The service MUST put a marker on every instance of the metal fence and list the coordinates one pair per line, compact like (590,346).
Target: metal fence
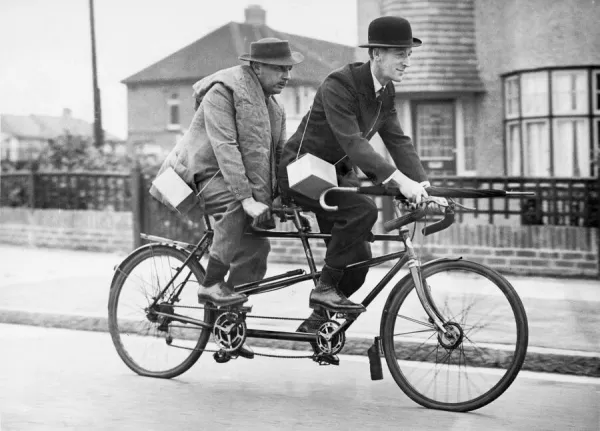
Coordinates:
(67,190)
(557,201)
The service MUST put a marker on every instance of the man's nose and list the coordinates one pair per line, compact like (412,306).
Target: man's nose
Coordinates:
(287,75)
(406,61)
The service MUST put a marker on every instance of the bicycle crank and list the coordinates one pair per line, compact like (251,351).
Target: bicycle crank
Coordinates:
(229,331)
(328,343)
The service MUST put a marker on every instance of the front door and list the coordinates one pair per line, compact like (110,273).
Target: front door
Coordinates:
(435,136)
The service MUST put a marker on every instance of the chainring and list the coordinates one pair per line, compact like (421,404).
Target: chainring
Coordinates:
(328,344)
(229,331)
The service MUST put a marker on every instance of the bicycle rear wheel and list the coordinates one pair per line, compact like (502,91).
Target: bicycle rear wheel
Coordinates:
(486,315)
(148,343)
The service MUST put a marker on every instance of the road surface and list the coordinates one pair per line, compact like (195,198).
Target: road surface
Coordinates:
(54,379)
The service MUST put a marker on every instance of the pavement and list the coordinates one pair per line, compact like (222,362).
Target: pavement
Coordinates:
(69,289)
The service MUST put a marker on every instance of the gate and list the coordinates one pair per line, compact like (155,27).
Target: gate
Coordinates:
(153,218)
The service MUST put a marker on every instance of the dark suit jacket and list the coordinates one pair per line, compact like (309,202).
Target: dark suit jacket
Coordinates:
(345,115)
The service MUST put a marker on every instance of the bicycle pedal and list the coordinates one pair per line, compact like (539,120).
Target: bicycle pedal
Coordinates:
(325,359)
(221,357)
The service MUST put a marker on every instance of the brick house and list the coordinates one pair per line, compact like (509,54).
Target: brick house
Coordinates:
(159,98)
(500,87)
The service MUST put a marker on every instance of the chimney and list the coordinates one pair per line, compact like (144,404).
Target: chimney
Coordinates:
(255,15)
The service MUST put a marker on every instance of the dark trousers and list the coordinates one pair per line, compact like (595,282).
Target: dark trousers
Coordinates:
(350,227)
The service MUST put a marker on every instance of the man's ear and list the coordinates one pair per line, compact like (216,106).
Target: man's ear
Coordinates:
(255,66)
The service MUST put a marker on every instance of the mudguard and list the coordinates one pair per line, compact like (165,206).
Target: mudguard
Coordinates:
(139,250)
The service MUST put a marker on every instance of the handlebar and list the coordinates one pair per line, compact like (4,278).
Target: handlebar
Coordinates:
(420,212)
(443,192)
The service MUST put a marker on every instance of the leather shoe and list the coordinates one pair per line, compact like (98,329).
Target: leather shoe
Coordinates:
(330,298)
(312,324)
(220,294)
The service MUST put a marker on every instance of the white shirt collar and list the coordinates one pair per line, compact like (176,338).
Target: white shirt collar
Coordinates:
(376,83)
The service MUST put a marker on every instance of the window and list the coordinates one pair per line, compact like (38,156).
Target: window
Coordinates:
(571,147)
(536,149)
(596,96)
(547,122)
(174,122)
(513,156)
(512,97)
(534,101)
(569,92)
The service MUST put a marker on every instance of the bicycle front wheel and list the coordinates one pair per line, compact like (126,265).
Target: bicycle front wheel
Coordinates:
(482,355)
(148,343)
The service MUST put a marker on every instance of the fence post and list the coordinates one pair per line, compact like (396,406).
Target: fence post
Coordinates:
(137,203)
(598,212)
(32,188)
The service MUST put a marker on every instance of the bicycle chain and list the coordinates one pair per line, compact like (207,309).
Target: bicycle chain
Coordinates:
(254,317)
(247,316)
(255,354)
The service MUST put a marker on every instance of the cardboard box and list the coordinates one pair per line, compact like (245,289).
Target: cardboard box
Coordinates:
(175,190)
(311,176)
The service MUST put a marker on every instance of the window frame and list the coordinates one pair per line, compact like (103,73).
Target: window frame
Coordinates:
(586,96)
(589,110)
(516,81)
(585,128)
(595,102)
(525,165)
(173,102)
(525,100)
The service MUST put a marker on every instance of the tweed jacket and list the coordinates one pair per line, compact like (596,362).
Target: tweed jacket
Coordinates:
(344,116)
(231,135)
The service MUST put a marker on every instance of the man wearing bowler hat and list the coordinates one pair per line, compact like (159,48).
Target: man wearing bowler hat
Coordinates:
(229,156)
(350,106)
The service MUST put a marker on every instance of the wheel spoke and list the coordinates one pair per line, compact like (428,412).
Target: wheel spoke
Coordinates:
(479,306)
(135,330)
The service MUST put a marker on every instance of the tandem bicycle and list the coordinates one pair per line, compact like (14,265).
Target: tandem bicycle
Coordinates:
(453,332)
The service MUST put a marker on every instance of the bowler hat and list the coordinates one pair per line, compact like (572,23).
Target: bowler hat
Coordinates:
(271,50)
(391,32)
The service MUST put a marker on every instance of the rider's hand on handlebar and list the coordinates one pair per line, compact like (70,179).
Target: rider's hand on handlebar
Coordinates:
(257,210)
(412,190)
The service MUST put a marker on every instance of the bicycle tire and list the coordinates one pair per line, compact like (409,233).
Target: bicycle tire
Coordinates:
(439,278)
(125,332)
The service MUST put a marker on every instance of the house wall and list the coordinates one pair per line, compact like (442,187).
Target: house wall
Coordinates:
(148,111)
(509,35)
(514,35)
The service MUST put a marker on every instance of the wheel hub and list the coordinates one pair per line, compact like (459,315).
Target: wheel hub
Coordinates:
(453,336)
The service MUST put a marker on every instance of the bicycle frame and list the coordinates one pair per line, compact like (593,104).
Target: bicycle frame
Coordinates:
(296,276)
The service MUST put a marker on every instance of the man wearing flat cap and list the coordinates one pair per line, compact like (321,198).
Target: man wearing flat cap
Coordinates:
(229,156)
(350,106)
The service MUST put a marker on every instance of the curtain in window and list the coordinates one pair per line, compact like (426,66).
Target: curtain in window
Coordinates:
(537,149)
(569,92)
(571,148)
(514,149)
(534,93)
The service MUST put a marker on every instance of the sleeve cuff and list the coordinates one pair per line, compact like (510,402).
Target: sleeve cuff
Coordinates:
(388,179)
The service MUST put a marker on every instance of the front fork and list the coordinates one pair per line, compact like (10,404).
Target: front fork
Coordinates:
(423,291)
